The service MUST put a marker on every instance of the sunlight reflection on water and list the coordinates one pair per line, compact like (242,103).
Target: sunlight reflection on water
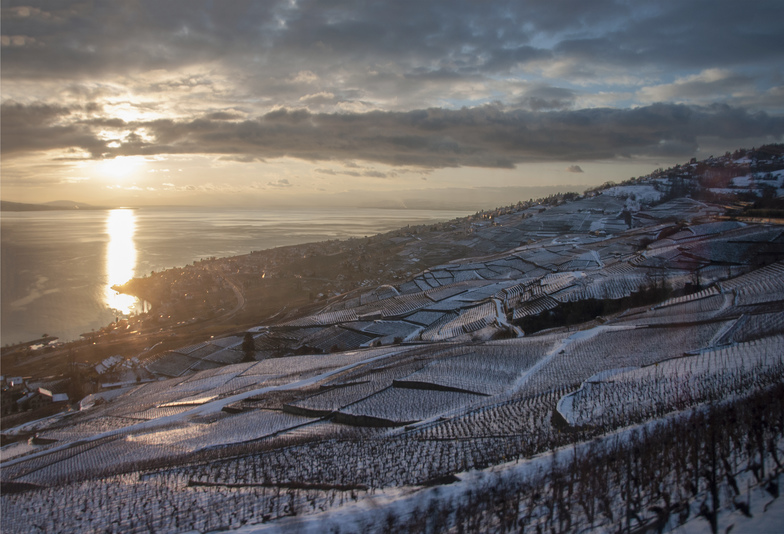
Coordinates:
(120,259)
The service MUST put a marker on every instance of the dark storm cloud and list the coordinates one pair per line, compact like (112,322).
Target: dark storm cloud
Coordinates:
(431,138)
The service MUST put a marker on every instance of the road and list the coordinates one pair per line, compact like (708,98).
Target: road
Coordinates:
(238,293)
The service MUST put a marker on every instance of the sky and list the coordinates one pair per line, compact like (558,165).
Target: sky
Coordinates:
(342,102)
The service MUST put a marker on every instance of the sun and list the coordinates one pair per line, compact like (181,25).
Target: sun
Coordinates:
(118,168)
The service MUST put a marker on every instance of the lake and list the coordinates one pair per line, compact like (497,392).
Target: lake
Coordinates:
(58,266)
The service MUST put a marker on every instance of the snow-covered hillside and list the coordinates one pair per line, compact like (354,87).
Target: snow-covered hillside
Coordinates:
(601,365)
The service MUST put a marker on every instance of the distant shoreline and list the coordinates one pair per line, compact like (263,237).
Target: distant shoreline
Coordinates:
(21,206)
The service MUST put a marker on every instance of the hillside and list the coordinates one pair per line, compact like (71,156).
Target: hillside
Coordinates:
(21,206)
(603,362)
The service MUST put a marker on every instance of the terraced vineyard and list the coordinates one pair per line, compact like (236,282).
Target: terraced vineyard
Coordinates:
(614,399)
(403,387)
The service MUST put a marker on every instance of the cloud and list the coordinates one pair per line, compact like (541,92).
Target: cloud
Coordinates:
(676,35)
(709,85)
(361,171)
(42,127)
(377,174)
(355,56)
(240,159)
(27,11)
(305,76)
(18,41)
(574,168)
(318,98)
(280,183)
(429,138)
(225,116)
(546,98)
(416,86)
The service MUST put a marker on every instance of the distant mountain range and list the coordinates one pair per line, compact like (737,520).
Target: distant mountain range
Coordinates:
(48,206)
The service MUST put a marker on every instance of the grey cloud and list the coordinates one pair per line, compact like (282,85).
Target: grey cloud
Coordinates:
(504,59)
(574,168)
(771,99)
(669,34)
(333,172)
(188,82)
(544,98)
(225,116)
(428,138)
(363,171)
(93,38)
(89,92)
(240,159)
(18,41)
(318,98)
(708,86)
(41,127)
(376,174)
(413,52)
(281,183)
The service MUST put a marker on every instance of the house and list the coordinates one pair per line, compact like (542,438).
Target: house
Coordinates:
(39,398)
(108,364)
(12,390)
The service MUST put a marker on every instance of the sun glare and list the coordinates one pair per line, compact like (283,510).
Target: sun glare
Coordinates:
(120,259)
(118,168)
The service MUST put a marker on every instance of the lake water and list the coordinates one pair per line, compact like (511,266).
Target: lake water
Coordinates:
(58,266)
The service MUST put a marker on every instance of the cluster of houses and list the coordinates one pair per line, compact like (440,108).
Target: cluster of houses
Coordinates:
(118,371)
(20,396)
